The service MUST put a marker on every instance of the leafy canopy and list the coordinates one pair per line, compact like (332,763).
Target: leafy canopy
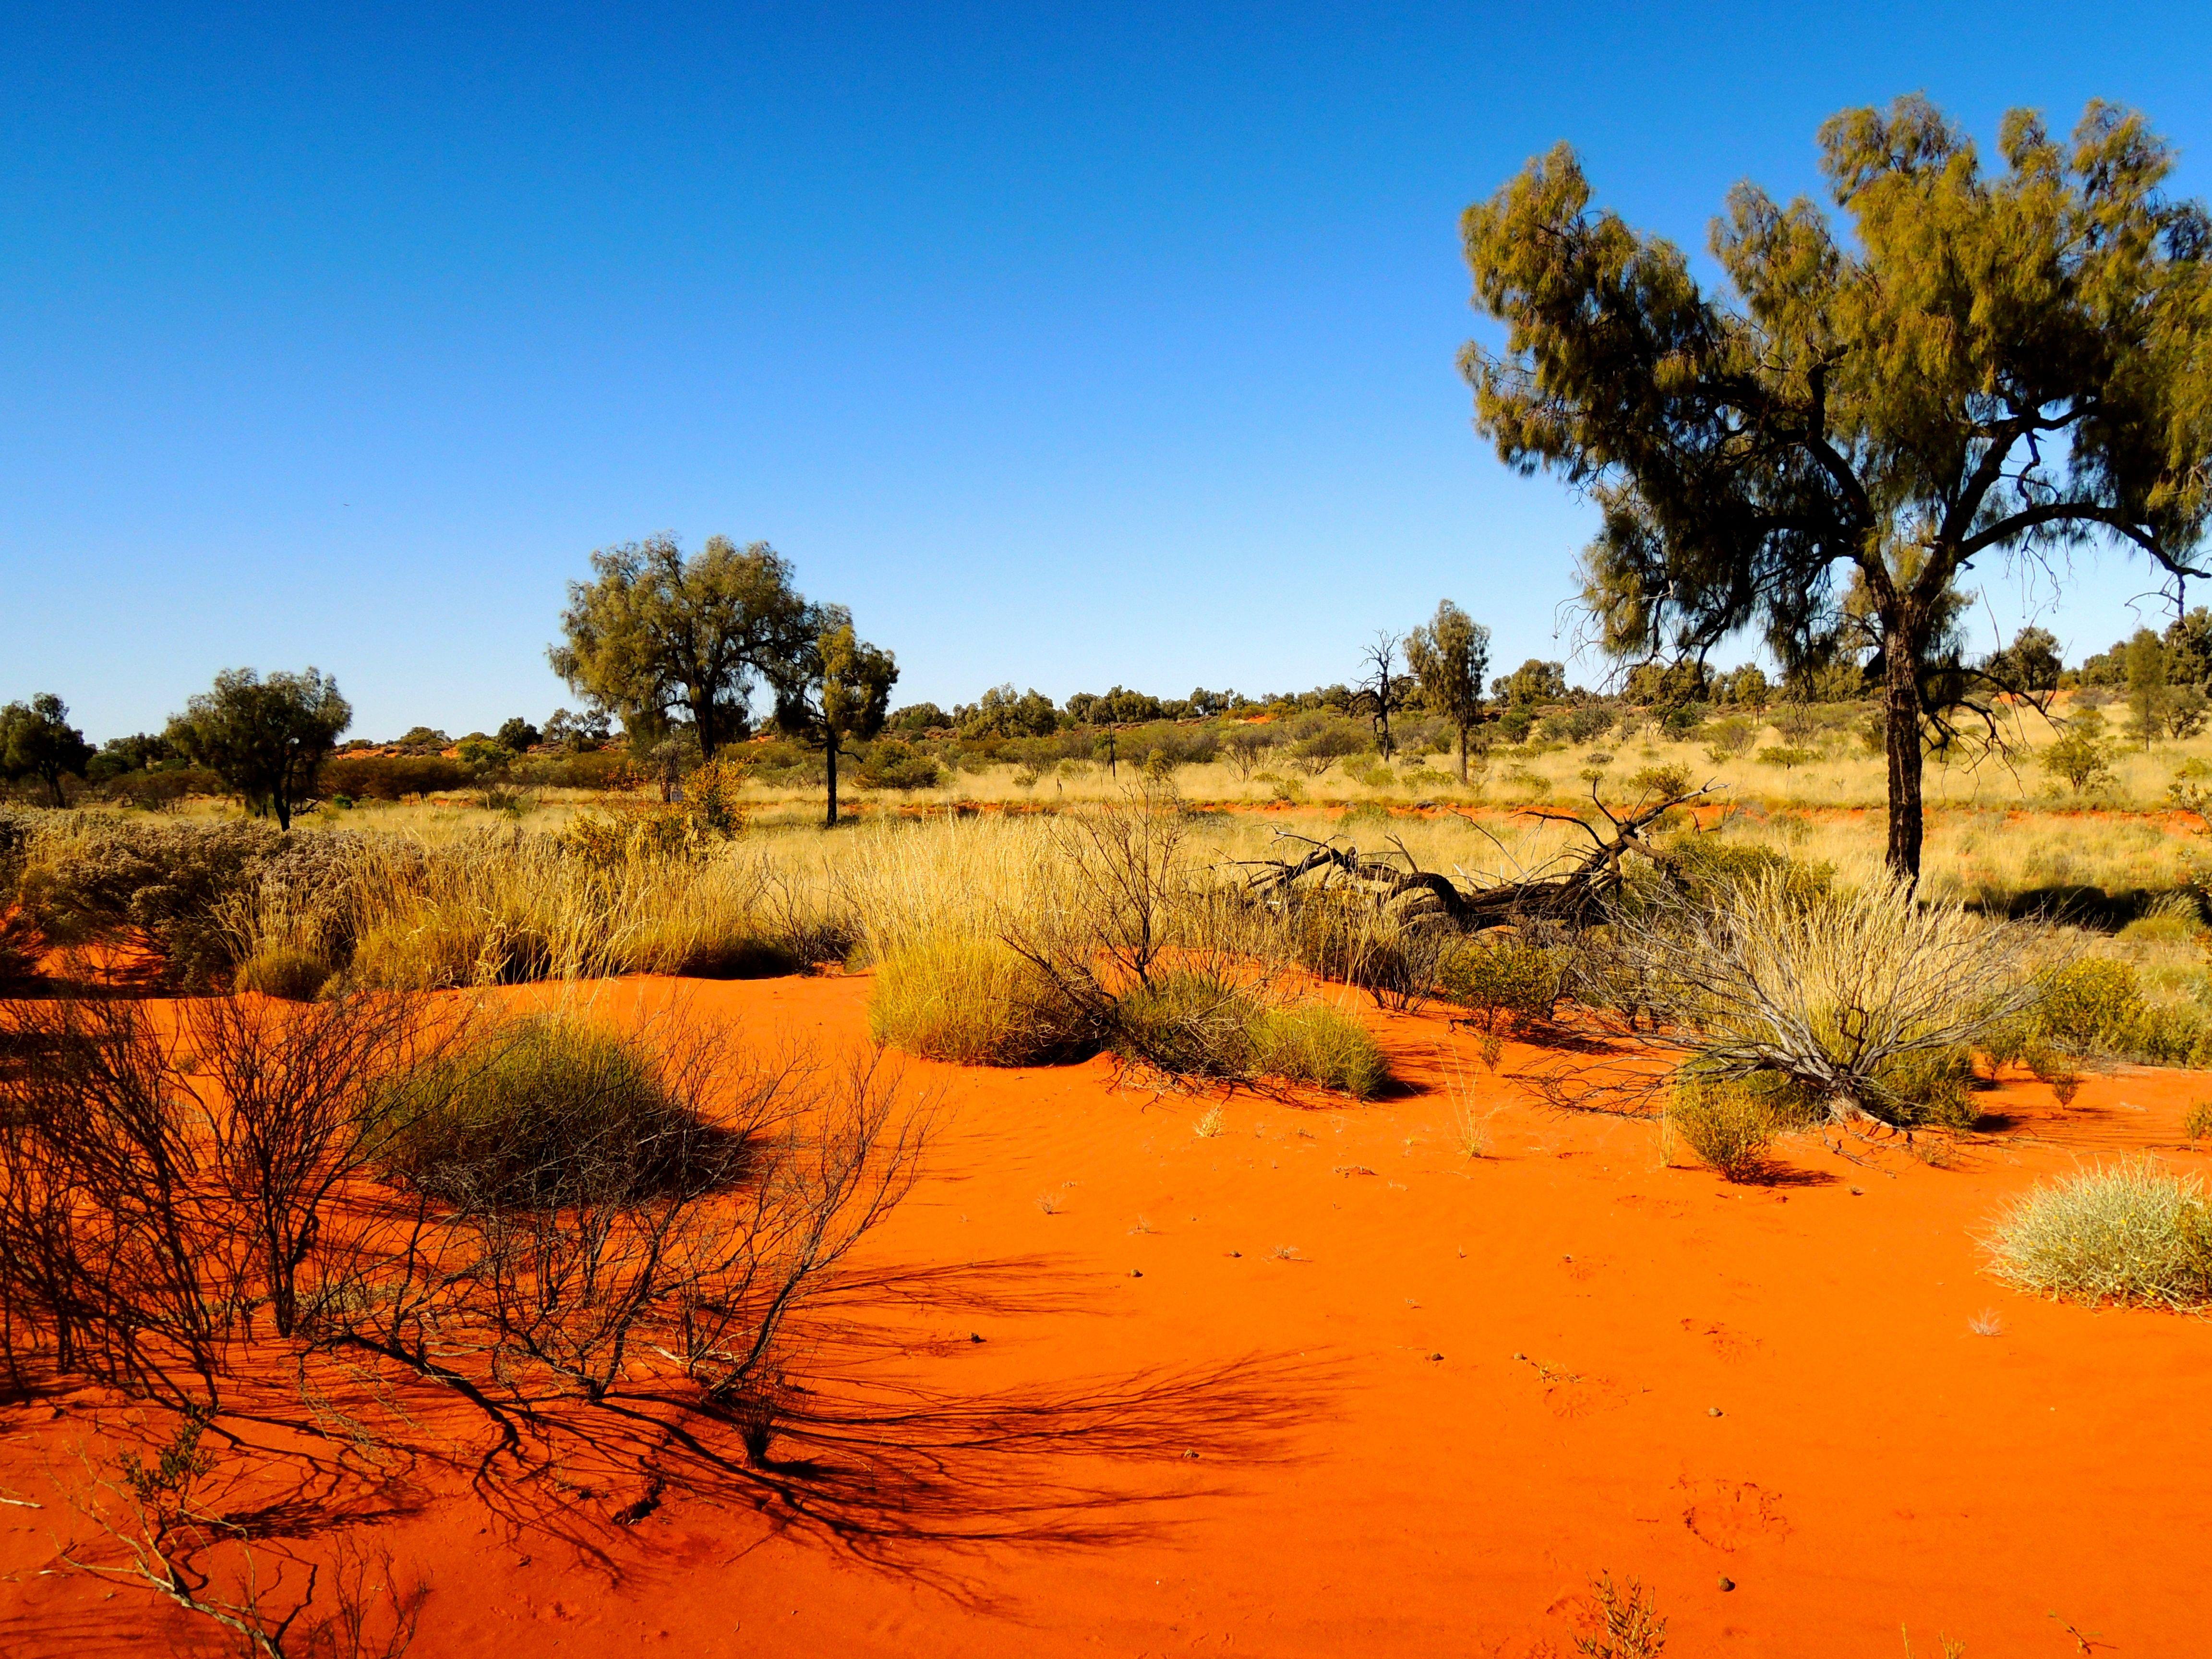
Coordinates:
(2013,361)
(655,634)
(266,738)
(37,741)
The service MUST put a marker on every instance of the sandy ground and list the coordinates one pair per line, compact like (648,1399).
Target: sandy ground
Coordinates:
(1320,1384)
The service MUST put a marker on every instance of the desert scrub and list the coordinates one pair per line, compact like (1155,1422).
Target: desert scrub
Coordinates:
(553,1109)
(1863,1001)
(2131,1233)
(1500,974)
(2099,1005)
(1200,1025)
(1313,1042)
(973,1001)
(1729,1125)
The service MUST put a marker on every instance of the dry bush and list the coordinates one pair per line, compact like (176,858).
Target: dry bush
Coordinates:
(1864,1001)
(2130,1233)
(1629,1624)
(92,879)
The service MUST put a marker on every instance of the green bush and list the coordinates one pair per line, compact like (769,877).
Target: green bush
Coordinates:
(1499,975)
(894,763)
(550,1110)
(2128,1233)
(1727,1124)
(2095,1005)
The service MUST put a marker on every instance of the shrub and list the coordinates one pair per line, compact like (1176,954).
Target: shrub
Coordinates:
(108,882)
(1193,1024)
(294,975)
(1499,973)
(551,1109)
(2130,1233)
(894,763)
(1661,782)
(973,1001)
(2197,1122)
(392,777)
(2095,1005)
(1313,1042)
(1727,1125)
(1865,1001)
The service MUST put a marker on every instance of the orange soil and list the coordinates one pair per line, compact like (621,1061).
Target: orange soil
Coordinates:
(1464,1388)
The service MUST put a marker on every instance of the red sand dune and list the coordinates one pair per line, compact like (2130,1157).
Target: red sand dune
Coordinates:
(1460,1390)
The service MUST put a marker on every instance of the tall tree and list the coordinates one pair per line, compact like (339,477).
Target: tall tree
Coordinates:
(266,738)
(834,691)
(655,634)
(1450,657)
(37,741)
(2017,363)
(2147,693)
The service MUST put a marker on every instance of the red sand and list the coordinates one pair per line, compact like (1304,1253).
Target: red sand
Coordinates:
(1467,1387)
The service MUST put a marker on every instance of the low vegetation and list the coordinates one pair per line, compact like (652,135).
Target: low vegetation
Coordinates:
(2130,1233)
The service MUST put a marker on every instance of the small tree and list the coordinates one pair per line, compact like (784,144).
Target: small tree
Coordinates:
(2147,693)
(656,633)
(834,691)
(1449,657)
(2029,663)
(37,741)
(1382,688)
(266,738)
(2082,756)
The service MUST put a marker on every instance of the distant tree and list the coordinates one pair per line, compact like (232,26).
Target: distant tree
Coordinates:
(655,634)
(2008,364)
(999,713)
(266,738)
(37,741)
(427,737)
(1533,682)
(2080,756)
(917,717)
(1382,688)
(1450,657)
(2031,663)
(1747,687)
(518,736)
(834,691)
(138,752)
(2188,648)
(2146,692)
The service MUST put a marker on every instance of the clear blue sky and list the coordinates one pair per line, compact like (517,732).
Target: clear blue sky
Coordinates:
(1067,345)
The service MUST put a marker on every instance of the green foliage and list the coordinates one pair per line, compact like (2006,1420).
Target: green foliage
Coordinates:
(550,1110)
(517,736)
(1533,682)
(267,739)
(1788,758)
(999,713)
(392,777)
(1662,782)
(654,632)
(1449,657)
(2130,1233)
(1211,1025)
(166,887)
(2080,756)
(37,741)
(2096,1006)
(894,763)
(976,1002)
(1727,740)
(2030,664)
(1499,973)
(1982,362)
(1729,1126)
(834,691)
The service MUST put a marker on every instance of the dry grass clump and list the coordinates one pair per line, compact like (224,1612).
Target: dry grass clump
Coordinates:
(1325,1045)
(2131,1233)
(974,1001)
(554,1110)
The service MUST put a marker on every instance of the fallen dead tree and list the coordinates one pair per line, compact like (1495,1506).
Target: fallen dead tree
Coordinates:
(1572,891)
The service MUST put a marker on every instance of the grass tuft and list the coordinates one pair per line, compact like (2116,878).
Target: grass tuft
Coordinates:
(2132,1234)
(973,1001)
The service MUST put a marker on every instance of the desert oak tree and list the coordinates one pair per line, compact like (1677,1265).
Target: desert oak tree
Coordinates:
(37,741)
(654,633)
(835,690)
(266,738)
(1450,657)
(2016,362)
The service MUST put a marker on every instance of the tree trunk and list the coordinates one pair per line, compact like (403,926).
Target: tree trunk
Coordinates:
(830,755)
(1462,755)
(1901,703)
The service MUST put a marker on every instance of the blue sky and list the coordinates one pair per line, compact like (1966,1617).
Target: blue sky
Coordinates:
(1067,345)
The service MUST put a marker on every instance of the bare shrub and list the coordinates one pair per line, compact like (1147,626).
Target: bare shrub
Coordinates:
(1629,1624)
